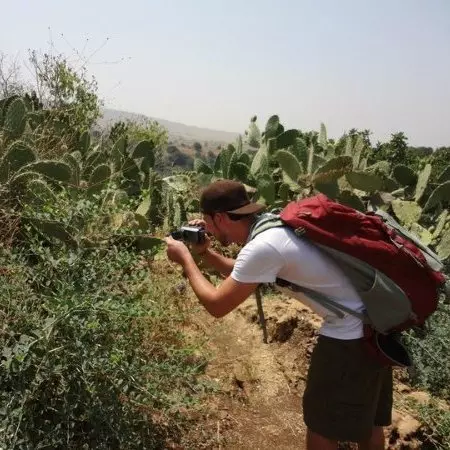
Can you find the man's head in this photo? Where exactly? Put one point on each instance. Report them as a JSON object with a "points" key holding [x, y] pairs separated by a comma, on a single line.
{"points": [[228, 210]]}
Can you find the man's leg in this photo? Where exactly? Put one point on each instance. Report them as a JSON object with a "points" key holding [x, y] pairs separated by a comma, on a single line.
{"points": [[383, 414], [376, 441], [315, 441], [342, 394]]}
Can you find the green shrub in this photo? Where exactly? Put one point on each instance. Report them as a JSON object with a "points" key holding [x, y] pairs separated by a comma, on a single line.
{"points": [[431, 355], [92, 355], [436, 424]]}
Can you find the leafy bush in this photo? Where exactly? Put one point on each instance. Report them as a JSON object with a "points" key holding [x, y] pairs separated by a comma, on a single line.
{"points": [[431, 355], [436, 420], [91, 353]]}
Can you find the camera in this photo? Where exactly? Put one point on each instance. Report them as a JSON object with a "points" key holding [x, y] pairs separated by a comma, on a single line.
{"points": [[191, 235]]}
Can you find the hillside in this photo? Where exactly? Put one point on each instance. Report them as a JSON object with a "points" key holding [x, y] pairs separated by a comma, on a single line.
{"points": [[178, 132]]}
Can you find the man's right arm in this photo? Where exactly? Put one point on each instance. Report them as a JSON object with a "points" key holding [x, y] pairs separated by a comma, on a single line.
{"points": [[217, 261]]}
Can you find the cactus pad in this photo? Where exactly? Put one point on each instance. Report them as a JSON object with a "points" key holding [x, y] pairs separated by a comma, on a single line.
{"points": [[363, 181], [404, 175]]}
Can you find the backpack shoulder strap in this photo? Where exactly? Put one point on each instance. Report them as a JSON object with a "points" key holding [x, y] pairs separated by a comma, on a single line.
{"points": [[324, 300], [270, 220], [264, 222]]}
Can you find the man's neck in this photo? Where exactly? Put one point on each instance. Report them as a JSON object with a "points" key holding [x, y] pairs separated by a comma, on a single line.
{"points": [[247, 228]]}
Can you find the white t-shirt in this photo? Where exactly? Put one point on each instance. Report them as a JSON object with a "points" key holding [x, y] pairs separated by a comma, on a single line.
{"points": [[278, 252]]}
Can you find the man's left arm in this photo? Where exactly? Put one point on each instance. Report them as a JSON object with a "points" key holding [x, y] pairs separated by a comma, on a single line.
{"points": [[221, 300], [217, 301]]}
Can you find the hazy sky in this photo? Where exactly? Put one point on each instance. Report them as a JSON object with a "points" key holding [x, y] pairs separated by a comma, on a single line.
{"points": [[380, 64]]}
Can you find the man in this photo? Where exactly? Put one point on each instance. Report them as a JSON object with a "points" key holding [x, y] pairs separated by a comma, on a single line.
{"points": [[348, 396]]}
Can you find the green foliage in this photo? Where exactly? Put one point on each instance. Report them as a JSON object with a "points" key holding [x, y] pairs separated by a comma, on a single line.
{"points": [[81, 366], [67, 91], [433, 368]]}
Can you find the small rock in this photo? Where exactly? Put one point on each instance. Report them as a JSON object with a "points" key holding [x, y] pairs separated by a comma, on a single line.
{"points": [[403, 388], [222, 414]]}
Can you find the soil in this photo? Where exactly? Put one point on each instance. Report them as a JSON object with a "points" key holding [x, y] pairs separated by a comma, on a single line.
{"points": [[258, 404]]}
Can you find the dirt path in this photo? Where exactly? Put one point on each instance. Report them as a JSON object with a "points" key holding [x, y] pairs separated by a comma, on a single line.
{"points": [[261, 385], [259, 402]]}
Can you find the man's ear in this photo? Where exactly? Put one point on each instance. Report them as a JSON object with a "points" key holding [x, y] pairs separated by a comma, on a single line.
{"points": [[225, 220]]}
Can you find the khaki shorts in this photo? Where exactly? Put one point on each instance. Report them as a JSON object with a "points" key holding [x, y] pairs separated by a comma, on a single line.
{"points": [[347, 393]]}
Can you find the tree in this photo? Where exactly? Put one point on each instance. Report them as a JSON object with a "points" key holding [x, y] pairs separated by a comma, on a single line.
{"points": [[397, 148], [10, 82], [66, 90]]}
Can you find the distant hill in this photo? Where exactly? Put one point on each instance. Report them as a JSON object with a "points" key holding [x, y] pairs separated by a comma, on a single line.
{"points": [[178, 132]]}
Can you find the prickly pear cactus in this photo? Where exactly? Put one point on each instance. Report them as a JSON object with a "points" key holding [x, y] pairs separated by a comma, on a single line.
{"points": [[71, 160], [156, 214], [422, 182], [442, 220], [440, 194], [407, 212], [239, 171], [144, 152], [273, 128], [333, 169], [364, 181], [266, 189], [99, 179], [38, 192], [50, 170], [286, 139], [144, 207], [14, 123], [118, 153], [180, 216], [443, 248], [444, 176], [170, 209], [18, 155], [350, 199], [253, 134], [260, 162], [84, 143], [290, 165], [52, 229], [404, 175], [201, 167]]}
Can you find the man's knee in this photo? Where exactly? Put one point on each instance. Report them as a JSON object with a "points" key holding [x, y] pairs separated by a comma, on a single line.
{"points": [[315, 441]]}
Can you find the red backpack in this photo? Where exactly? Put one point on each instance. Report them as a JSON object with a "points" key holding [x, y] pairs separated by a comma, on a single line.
{"points": [[397, 277]]}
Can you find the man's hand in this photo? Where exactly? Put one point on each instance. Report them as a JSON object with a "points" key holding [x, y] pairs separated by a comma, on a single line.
{"points": [[200, 248], [177, 251]]}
